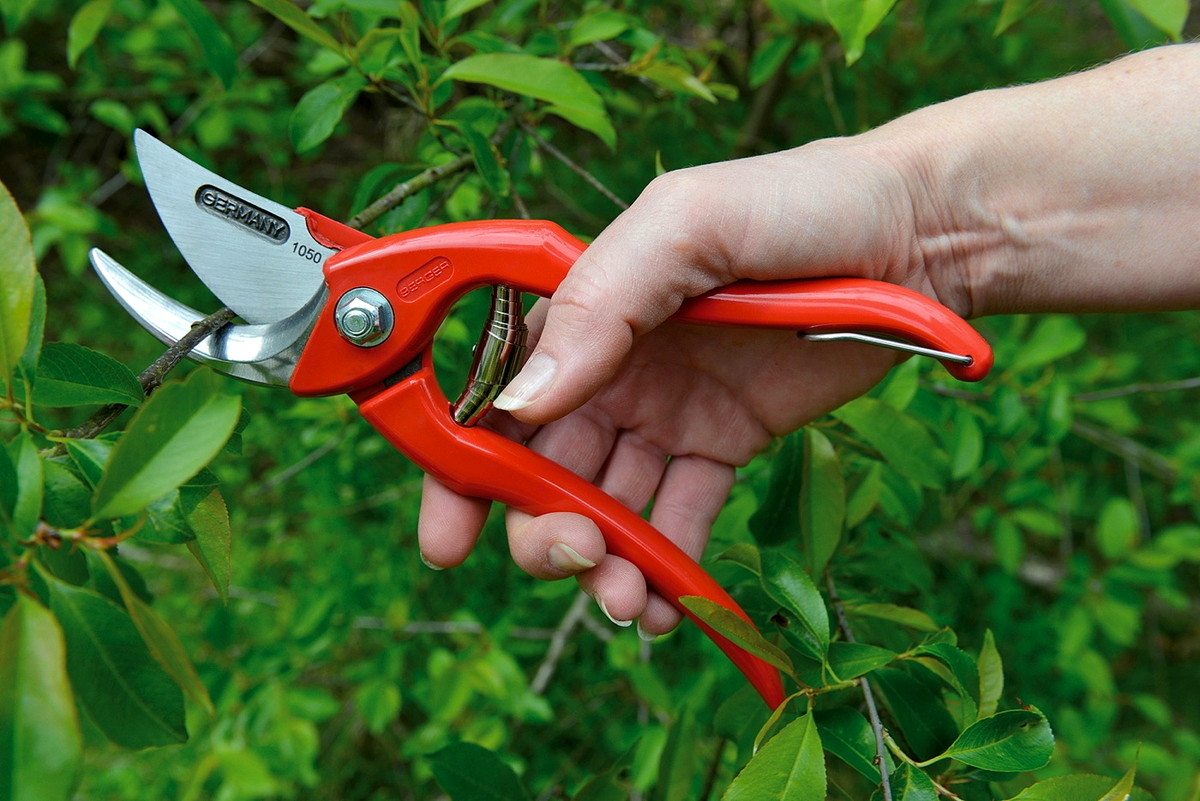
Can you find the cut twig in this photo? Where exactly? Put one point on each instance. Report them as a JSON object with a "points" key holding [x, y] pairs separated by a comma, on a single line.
{"points": [[868, 695], [153, 376]]}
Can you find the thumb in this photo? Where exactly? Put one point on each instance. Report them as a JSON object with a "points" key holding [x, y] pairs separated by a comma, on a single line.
{"points": [[633, 277]]}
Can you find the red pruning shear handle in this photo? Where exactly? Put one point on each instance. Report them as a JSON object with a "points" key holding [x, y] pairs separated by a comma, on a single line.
{"points": [[328, 310], [420, 274]]}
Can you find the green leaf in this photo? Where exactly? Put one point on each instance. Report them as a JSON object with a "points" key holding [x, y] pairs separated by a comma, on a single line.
{"points": [[1015, 740], [909, 784], [674, 78], [37, 325], [847, 735], [599, 26], [125, 692], [919, 712], [321, 109], [160, 639], [177, 432], [214, 42], [16, 281], [15, 13], [732, 627], [1011, 12], [570, 96], [300, 22], [456, 8], [849, 660], [1123, 789], [790, 767], [9, 488], [822, 501], [72, 375], [1118, 529], [487, 161], [90, 456], [745, 555], [901, 385], [40, 745], [865, 495], [469, 771], [1054, 337], [905, 616], [785, 581], [67, 501], [85, 27], [27, 508], [611, 785], [378, 702], [963, 676], [777, 519], [902, 441], [854, 20], [1168, 16], [769, 58], [678, 760], [966, 450], [991, 676], [1081, 787], [209, 521]]}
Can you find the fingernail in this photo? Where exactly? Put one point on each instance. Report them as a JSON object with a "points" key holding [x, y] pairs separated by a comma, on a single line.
{"points": [[567, 559], [529, 384], [429, 564], [645, 635], [622, 623]]}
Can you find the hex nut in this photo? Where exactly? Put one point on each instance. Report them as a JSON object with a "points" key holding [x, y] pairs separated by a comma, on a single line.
{"points": [[363, 317]]}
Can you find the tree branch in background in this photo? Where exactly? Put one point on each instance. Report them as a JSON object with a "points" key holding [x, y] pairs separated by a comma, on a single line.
{"points": [[868, 695], [570, 621], [575, 168]]}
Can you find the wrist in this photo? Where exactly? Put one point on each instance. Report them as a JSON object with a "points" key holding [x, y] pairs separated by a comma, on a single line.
{"points": [[1078, 194]]}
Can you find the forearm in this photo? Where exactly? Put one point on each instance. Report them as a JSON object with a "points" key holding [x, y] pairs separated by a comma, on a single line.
{"points": [[1079, 194]]}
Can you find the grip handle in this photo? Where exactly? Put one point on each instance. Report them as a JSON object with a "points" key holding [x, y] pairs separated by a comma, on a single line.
{"points": [[414, 416]]}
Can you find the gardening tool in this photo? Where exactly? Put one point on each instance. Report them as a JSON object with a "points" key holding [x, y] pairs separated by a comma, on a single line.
{"points": [[329, 309]]}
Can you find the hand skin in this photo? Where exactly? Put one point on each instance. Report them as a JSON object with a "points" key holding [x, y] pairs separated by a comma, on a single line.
{"points": [[1077, 194]]}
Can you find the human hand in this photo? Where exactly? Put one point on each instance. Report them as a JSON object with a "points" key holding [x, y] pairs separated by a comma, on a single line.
{"points": [[1062, 196], [689, 403]]}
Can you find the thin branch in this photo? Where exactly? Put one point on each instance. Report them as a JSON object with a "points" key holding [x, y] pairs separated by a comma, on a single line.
{"points": [[403, 190], [868, 695], [1137, 389], [575, 168], [570, 621], [153, 376], [714, 768], [289, 472]]}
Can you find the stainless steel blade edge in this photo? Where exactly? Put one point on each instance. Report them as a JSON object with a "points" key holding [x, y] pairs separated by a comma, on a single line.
{"points": [[254, 254]]}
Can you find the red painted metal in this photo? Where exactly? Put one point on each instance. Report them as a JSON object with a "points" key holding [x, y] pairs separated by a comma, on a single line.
{"points": [[423, 272]]}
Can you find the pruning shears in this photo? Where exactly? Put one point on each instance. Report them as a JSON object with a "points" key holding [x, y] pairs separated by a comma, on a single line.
{"points": [[328, 309]]}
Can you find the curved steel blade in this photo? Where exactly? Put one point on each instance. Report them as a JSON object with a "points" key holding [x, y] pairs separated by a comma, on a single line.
{"points": [[260, 354], [256, 255]]}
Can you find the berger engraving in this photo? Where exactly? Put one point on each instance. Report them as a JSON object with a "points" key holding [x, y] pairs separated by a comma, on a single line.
{"points": [[246, 215], [425, 277]]}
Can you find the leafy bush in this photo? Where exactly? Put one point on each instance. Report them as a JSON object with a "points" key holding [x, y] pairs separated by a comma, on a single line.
{"points": [[972, 564]]}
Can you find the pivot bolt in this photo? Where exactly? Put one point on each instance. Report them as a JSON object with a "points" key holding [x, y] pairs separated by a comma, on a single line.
{"points": [[363, 317]]}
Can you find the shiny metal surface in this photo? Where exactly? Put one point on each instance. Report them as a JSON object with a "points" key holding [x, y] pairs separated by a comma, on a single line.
{"points": [[364, 317], [260, 354], [891, 344], [498, 356], [256, 255]]}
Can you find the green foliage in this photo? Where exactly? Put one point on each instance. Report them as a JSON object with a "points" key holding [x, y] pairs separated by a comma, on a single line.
{"points": [[1028, 541]]}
